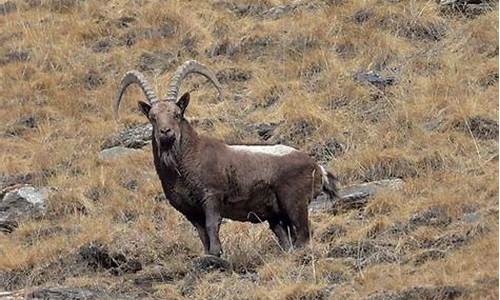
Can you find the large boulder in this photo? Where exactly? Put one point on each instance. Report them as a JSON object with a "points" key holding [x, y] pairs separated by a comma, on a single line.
{"points": [[136, 136], [20, 204], [356, 195]]}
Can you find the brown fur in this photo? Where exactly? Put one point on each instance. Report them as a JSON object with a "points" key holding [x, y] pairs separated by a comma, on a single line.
{"points": [[206, 180]]}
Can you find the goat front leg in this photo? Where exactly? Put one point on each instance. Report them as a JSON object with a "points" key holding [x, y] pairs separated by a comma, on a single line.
{"points": [[212, 225], [202, 232]]}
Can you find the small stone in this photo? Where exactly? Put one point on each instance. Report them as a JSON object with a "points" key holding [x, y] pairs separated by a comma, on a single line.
{"points": [[374, 78]]}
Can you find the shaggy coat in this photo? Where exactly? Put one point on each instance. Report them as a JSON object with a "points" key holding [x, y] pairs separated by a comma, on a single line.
{"points": [[207, 180]]}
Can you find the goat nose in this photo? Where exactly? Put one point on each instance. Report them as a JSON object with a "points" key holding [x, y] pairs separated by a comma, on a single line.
{"points": [[165, 131]]}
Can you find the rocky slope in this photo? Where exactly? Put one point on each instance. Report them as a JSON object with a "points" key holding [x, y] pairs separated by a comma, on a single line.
{"points": [[400, 93]]}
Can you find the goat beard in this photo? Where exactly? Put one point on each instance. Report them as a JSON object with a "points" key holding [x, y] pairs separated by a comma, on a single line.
{"points": [[168, 159]]}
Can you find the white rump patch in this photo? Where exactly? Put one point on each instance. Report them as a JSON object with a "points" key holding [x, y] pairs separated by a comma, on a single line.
{"points": [[278, 150]]}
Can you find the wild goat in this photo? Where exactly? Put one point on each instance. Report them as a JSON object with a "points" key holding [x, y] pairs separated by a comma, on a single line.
{"points": [[206, 179]]}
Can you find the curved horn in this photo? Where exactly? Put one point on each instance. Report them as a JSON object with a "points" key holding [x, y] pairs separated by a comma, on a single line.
{"points": [[130, 78], [190, 66]]}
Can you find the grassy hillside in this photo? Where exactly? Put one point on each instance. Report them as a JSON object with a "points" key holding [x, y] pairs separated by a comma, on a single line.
{"points": [[298, 67]]}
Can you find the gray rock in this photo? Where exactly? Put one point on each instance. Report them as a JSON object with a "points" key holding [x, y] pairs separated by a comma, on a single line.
{"points": [[374, 78], [116, 152], [7, 7], [136, 136], [62, 293], [20, 204], [355, 196], [472, 217]]}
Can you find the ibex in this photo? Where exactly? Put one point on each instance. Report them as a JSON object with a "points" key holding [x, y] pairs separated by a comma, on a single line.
{"points": [[207, 180]]}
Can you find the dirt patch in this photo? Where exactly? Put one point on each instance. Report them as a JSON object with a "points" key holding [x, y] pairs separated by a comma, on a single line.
{"points": [[466, 8], [389, 167], [413, 29], [168, 28], [345, 50], [362, 15], [304, 292], [299, 44], [103, 45], [253, 47], [480, 127], [271, 97], [428, 255], [62, 6], [327, 150], [454, 239], [365, 252], [156, 61], [332, 232], [97, 256], [433, 216], [233, 74], [97, 193], [21, 125], [7, 7], [15, 56], [264, 130], [92, 80], [256, 8], [297, 134]]}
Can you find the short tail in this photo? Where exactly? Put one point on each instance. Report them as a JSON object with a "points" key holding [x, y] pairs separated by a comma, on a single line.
{"points": [[328, 184]]}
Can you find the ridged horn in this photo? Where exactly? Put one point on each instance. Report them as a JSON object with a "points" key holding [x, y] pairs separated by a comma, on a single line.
{"points": [[130, 78], [190, 66]]}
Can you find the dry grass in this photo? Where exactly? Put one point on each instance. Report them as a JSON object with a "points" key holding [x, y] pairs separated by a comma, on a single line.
{"points": [[61, 61]]}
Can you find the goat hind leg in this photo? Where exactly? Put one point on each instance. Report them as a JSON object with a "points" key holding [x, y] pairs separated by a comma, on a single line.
{"points": [[295, 206], [280, 230]]}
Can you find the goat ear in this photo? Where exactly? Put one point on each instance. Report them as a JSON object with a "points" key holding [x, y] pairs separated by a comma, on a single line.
{"points": [[144, 107], [183, 102]]}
